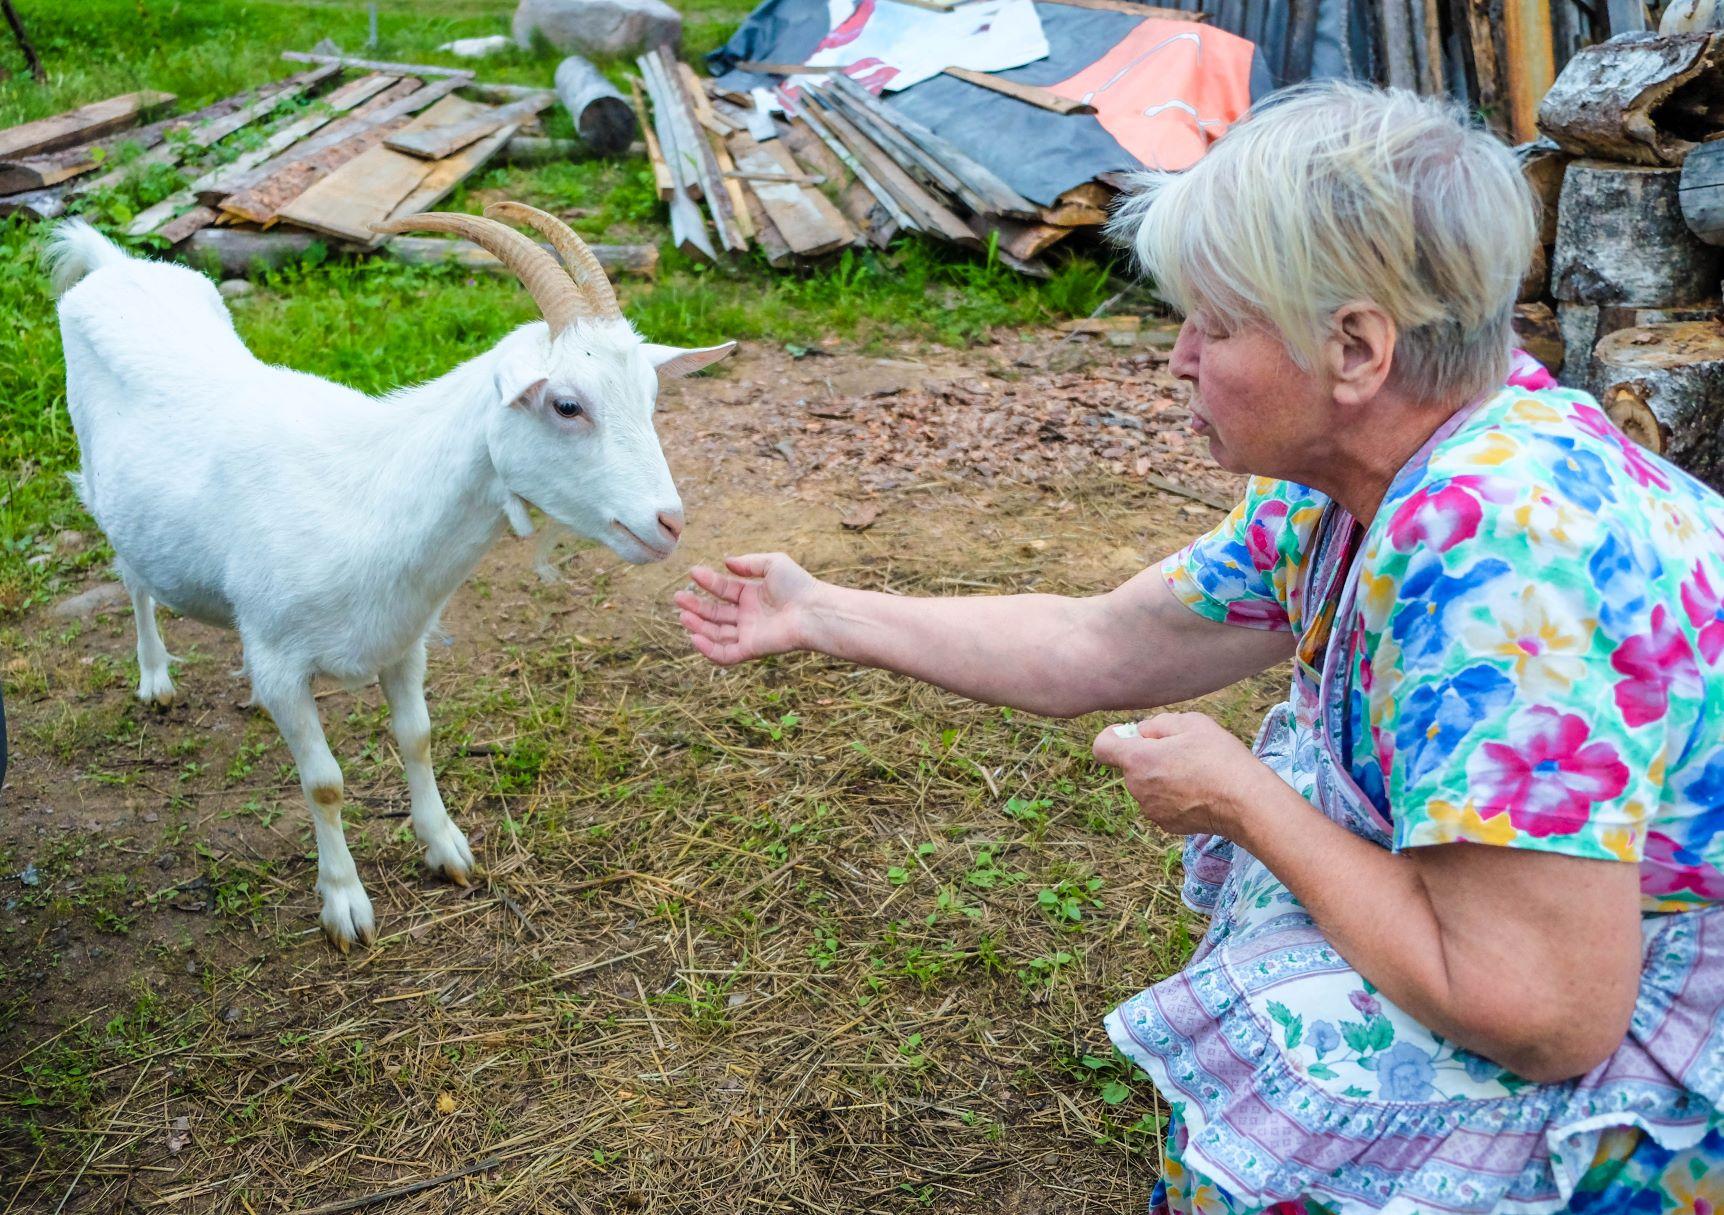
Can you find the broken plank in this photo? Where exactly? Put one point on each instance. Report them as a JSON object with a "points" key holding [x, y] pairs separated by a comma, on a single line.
{"points": [[804, 217], [718, 199], [438, 142], [360, 193], [884, 197], [198, 218], [655, 155], [1029, 94], [372, 65], [450, 172], [274, 183], [1026, 242], [77, 126], [931, 215]]}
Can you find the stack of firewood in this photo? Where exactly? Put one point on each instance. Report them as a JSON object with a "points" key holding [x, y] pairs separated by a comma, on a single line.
{"points": [[1627, 299], [837, 169]]}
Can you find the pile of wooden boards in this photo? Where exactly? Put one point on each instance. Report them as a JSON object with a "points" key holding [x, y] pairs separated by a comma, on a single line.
{"points": [[841, 169], [1624, 295], [328, 152]]}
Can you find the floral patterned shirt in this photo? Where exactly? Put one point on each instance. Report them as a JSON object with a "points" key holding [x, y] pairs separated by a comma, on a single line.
{"points": [[1537, 654]]}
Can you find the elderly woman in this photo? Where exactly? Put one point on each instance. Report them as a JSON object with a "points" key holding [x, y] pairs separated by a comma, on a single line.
{"points": [[1465, 952]]}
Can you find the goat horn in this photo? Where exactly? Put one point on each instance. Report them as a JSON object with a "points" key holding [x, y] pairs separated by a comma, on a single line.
{"points": [[580, 261], [561, 302]]}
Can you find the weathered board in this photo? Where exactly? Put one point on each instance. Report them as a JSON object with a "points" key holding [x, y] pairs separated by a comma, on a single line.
{"points": [[448, 135], [806, 220], [451, 171], [81, 125], [362, 192], [1029, 94]]}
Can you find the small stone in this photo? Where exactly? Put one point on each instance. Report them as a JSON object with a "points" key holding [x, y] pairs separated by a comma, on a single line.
{"points": [[609, 28], [230, 1014], [236, 288], [30, 877], [92, 601], [69, 541]]}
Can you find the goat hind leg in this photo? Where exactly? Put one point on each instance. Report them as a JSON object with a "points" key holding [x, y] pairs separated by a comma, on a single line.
{"points": [[446, 848], [155, 685], [346, 915]]}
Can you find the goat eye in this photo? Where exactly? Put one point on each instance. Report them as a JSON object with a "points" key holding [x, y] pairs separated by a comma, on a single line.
{"points": [[567, 408]]}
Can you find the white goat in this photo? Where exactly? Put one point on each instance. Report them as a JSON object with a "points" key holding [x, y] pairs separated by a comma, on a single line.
{"points": [[329, 527]]}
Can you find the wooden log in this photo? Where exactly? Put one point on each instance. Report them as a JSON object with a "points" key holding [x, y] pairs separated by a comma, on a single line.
{"points": [[1542, 164], [1538, 333], [449, 137], [806, 220], [1584, 326], [602, 116], [372, 65], [538, 150], [298, 169], [1642, 100], [1700, 192], [1029, 94], [1621, 239], [237, 252], [35, 204], [1664, 386], [1577, 324], [86, 123]]}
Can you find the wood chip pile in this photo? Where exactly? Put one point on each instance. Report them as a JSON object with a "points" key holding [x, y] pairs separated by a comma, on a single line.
{"points": [[327, 152], [843, 170]]}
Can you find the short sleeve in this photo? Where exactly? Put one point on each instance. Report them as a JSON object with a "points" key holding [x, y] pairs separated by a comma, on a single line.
{"points": [[1249, 570], [1503, 711]]}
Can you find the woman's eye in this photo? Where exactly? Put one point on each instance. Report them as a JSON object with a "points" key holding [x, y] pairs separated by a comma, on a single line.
{"points": [[567, 408]]}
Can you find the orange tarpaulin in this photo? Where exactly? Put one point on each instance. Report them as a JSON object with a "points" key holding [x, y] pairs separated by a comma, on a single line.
{"points": [[1167, 90]]}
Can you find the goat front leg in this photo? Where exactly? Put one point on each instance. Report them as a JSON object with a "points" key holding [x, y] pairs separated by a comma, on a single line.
{"points": [[155, 685], [446, 847], [346, 914]]}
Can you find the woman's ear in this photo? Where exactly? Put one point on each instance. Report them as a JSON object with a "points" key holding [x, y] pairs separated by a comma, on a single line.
{"points": [[1360, 351]]}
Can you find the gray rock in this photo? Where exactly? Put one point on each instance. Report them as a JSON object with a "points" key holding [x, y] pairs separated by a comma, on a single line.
{"points": [[236, 288], [88, 603], [614, 28]]}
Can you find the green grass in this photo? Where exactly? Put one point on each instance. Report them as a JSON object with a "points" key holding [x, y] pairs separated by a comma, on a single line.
{"points": [[347, 321]]}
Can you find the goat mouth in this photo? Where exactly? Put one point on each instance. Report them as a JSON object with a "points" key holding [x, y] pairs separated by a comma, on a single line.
{"points": [[659, 551]]}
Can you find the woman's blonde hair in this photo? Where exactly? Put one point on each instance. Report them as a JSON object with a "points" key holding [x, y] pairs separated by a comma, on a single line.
{"points": [[1331, 194]]}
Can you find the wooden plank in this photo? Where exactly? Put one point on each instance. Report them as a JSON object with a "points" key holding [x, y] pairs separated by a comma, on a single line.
{"points": [[438, 142], [928, 170], [209, 190], [766, 233], [450, 172], [372, 65], [717, 130], [929, 213], [760, 68], [808, 222], [1531, 63], [1029, 94], [1026, 242], [655, 155], [81, 125], [718, 200], [1000, 197], [876, 189], [687, 225], [360, 193], [301, 167], [219, 183]]}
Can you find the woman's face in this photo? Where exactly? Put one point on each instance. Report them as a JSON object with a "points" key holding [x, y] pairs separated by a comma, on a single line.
{"points": [[1259, 409]]}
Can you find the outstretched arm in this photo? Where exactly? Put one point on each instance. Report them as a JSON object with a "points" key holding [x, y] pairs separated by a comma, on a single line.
{"points": [[1134, 647]]}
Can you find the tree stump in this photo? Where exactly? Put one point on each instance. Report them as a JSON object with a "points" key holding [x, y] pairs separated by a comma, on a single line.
{"points": [[605, 121], [1664, 386], [1621, 239], [1638, 98]]}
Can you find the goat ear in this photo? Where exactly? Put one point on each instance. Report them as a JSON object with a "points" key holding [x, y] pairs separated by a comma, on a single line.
{"points": [[673, 362], [518, 381]]}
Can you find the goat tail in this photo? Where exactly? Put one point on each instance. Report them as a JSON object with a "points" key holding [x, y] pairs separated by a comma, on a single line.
{"points": [[75, 250]]}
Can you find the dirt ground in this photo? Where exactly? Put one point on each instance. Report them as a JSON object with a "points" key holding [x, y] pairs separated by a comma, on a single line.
{"points": [[790, 937]]}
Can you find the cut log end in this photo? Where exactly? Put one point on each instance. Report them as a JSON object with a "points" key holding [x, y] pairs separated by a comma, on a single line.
{"points": [[607, 125], [1625, 405]]}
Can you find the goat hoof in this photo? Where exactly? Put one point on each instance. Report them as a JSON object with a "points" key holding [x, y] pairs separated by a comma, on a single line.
{"points": [[452, 856], [156, 690], [347, 916]]}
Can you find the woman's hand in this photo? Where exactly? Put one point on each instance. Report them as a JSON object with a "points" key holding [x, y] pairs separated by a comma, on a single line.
{"points": [[758, 608], [1190, 776]]}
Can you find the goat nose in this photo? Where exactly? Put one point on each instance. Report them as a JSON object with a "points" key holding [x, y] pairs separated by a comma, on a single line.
{"points": [[670, 522]]}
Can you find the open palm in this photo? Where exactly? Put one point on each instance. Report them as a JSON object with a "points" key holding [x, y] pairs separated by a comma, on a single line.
{"points": [[754, 610]]}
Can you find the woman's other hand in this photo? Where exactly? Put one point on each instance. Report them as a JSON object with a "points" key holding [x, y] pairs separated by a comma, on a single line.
{"points": [[757, 608], [1190, 776]]}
